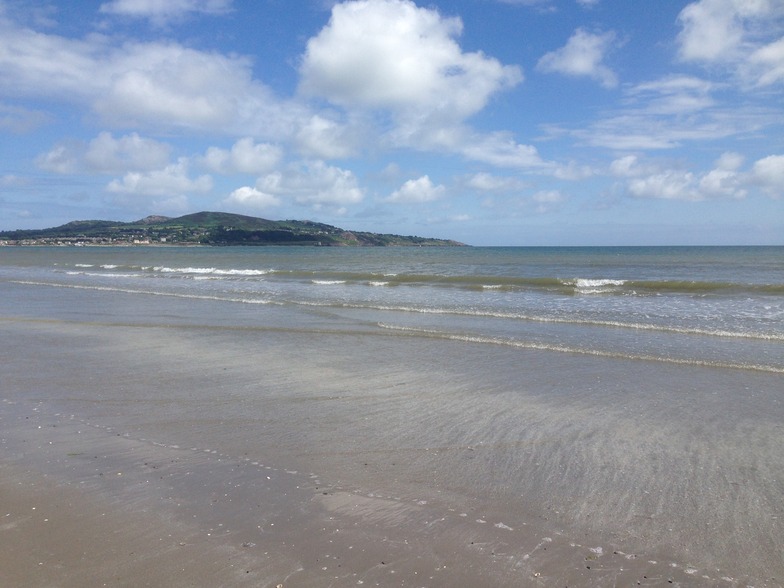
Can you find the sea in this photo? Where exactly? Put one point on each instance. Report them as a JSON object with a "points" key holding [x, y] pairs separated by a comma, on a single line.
{"points": [[629, 400]]}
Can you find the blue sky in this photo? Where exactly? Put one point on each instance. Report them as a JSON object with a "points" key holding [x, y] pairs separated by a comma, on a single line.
{"points": [[493, 122]]}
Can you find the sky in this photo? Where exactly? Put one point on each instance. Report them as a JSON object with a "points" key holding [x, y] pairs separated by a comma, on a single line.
{"points": [[491, 122]]}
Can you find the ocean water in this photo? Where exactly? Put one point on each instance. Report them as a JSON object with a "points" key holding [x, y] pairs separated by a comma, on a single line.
{"points": [[632, 395], [721, 306]]}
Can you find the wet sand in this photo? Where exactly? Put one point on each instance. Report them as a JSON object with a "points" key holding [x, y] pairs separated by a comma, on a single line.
{"points": [[132, 460], [82, 506]]}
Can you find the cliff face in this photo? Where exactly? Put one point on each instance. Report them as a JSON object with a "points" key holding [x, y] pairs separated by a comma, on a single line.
{"points": [[210, 228]]}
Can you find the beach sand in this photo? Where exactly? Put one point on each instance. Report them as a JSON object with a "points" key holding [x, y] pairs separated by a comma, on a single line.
{"points": [[84, 507], [132, 460]]}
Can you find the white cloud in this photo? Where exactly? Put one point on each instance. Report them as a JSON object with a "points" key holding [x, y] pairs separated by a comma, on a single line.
{"points": [[417, 191], [391, 54], [170, 181], [106, 154], [768, 173], [668, 112], [161, 12], [668, 185], [725, 180], [247, 197], [500, 150], [152, 85], [178, 87], [130, 152], [582, 56], [629, 166], [766, 64], [245, 156], [711, 30], [322, 137], [61, 159], [674, 95], [313, 183], [485, 182], [742, 34], [547, 200]]}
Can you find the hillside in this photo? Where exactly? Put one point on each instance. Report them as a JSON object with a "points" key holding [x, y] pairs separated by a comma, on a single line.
{"points": [[209, 228]]}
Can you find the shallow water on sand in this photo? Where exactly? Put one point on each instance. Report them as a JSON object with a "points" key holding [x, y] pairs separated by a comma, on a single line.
{"points": [[622, 451]]}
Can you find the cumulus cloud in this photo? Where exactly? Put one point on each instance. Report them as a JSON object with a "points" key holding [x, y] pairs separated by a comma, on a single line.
{"points": [[417, 191], [245, 156], [667, 185], [769, 174], [711, 30], [736, 33], [725, 180], [313, 183], [106, 154], [173, 180], [130, 152], [582, 56], [247, 197], [625, 166], [323, 137], [160, 12], [154, 85], [394, 55]]}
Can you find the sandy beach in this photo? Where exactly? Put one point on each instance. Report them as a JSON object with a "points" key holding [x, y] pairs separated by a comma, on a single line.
{"points": [[103, 482], [89, 507]]}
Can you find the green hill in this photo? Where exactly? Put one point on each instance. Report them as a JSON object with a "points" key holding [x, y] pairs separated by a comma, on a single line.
{"points": [[210, 228]]}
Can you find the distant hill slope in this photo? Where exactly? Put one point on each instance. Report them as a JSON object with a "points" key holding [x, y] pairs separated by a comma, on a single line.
{"points": [[210, 228]]}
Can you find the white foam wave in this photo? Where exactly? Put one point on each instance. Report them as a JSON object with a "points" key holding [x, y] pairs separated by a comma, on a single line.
{"points": [[377, 283], [595, 286], [578, 350], [210, 270], [83, 265], [328, 282], [242, 272]]}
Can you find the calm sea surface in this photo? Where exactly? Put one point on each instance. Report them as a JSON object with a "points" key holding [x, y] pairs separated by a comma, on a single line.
{"points": [[635, 395]]}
